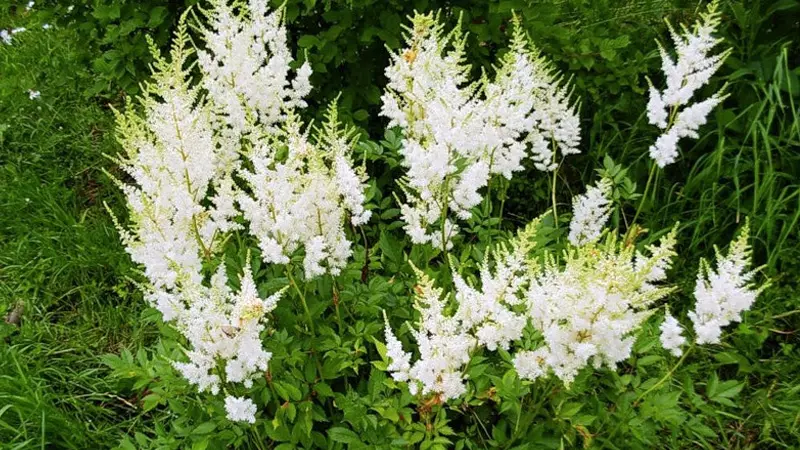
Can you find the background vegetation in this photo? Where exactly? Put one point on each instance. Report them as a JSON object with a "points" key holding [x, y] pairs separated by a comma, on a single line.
{"points": [[79, 362]]}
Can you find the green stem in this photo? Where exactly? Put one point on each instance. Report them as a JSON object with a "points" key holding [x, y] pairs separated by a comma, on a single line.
{"points": [[672, 115], [302, 300], [302, 296], [259, 439], [646, 190], [338, 297], [553, 198], [502, 204], [553, 185], [666, 376]]}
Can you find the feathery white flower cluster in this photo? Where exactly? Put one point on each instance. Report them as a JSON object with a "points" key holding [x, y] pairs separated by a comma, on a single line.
{"points": [[670, 109], [457, 134], [672, 335], [590, 212], [444, 345], [240, 409], [246, 66], [723, 294], [484, 318], [176, 162], [588, 307], [303, 198], [183, 155]]}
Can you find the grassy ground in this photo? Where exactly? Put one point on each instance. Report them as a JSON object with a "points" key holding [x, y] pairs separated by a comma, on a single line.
{"points": [[63, 272], [61, 265]]}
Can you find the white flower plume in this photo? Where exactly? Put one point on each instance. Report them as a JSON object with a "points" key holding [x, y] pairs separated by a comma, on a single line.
{"points": [[302, 197], [484, 317], [245, 65], [670, 109], [458, 134], [672, 335], [725, 293], [590, 212], [588, 307]]}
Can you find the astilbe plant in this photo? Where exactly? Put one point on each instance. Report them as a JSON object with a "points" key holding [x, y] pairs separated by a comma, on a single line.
{"points": [[218, 156], [584, 306], [457, 133], [205, 152]]}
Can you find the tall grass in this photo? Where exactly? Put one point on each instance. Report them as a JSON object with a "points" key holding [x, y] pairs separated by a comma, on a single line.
{"points": [[61, 264]]}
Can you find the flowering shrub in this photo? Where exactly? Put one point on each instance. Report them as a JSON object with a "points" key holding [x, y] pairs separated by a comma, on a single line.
{"points": [[237, 207], [184, 154]]}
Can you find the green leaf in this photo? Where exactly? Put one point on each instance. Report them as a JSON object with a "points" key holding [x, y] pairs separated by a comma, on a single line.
{"points": [[391, 248], [205, 428], [308, 41], [343, 435], [202, 444], [157, 16], [106, 12], [151, 401], [648, 360]]}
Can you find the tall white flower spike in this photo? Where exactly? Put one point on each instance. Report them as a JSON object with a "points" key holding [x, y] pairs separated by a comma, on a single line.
{"points": [[725, 293], [671, 109]]}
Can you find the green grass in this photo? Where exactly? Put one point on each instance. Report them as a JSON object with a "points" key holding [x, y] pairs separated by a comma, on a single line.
{"points": [[60, 257]]}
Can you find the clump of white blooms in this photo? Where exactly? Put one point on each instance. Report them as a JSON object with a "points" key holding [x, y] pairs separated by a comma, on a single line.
{"points": [[590, 212], [246, 66], [34, 95], [183, 155], [457, 133], [723, 294], [670, 109], [484, 318], [588, 307], [240, 409], [672, 335], [304, 196]]}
